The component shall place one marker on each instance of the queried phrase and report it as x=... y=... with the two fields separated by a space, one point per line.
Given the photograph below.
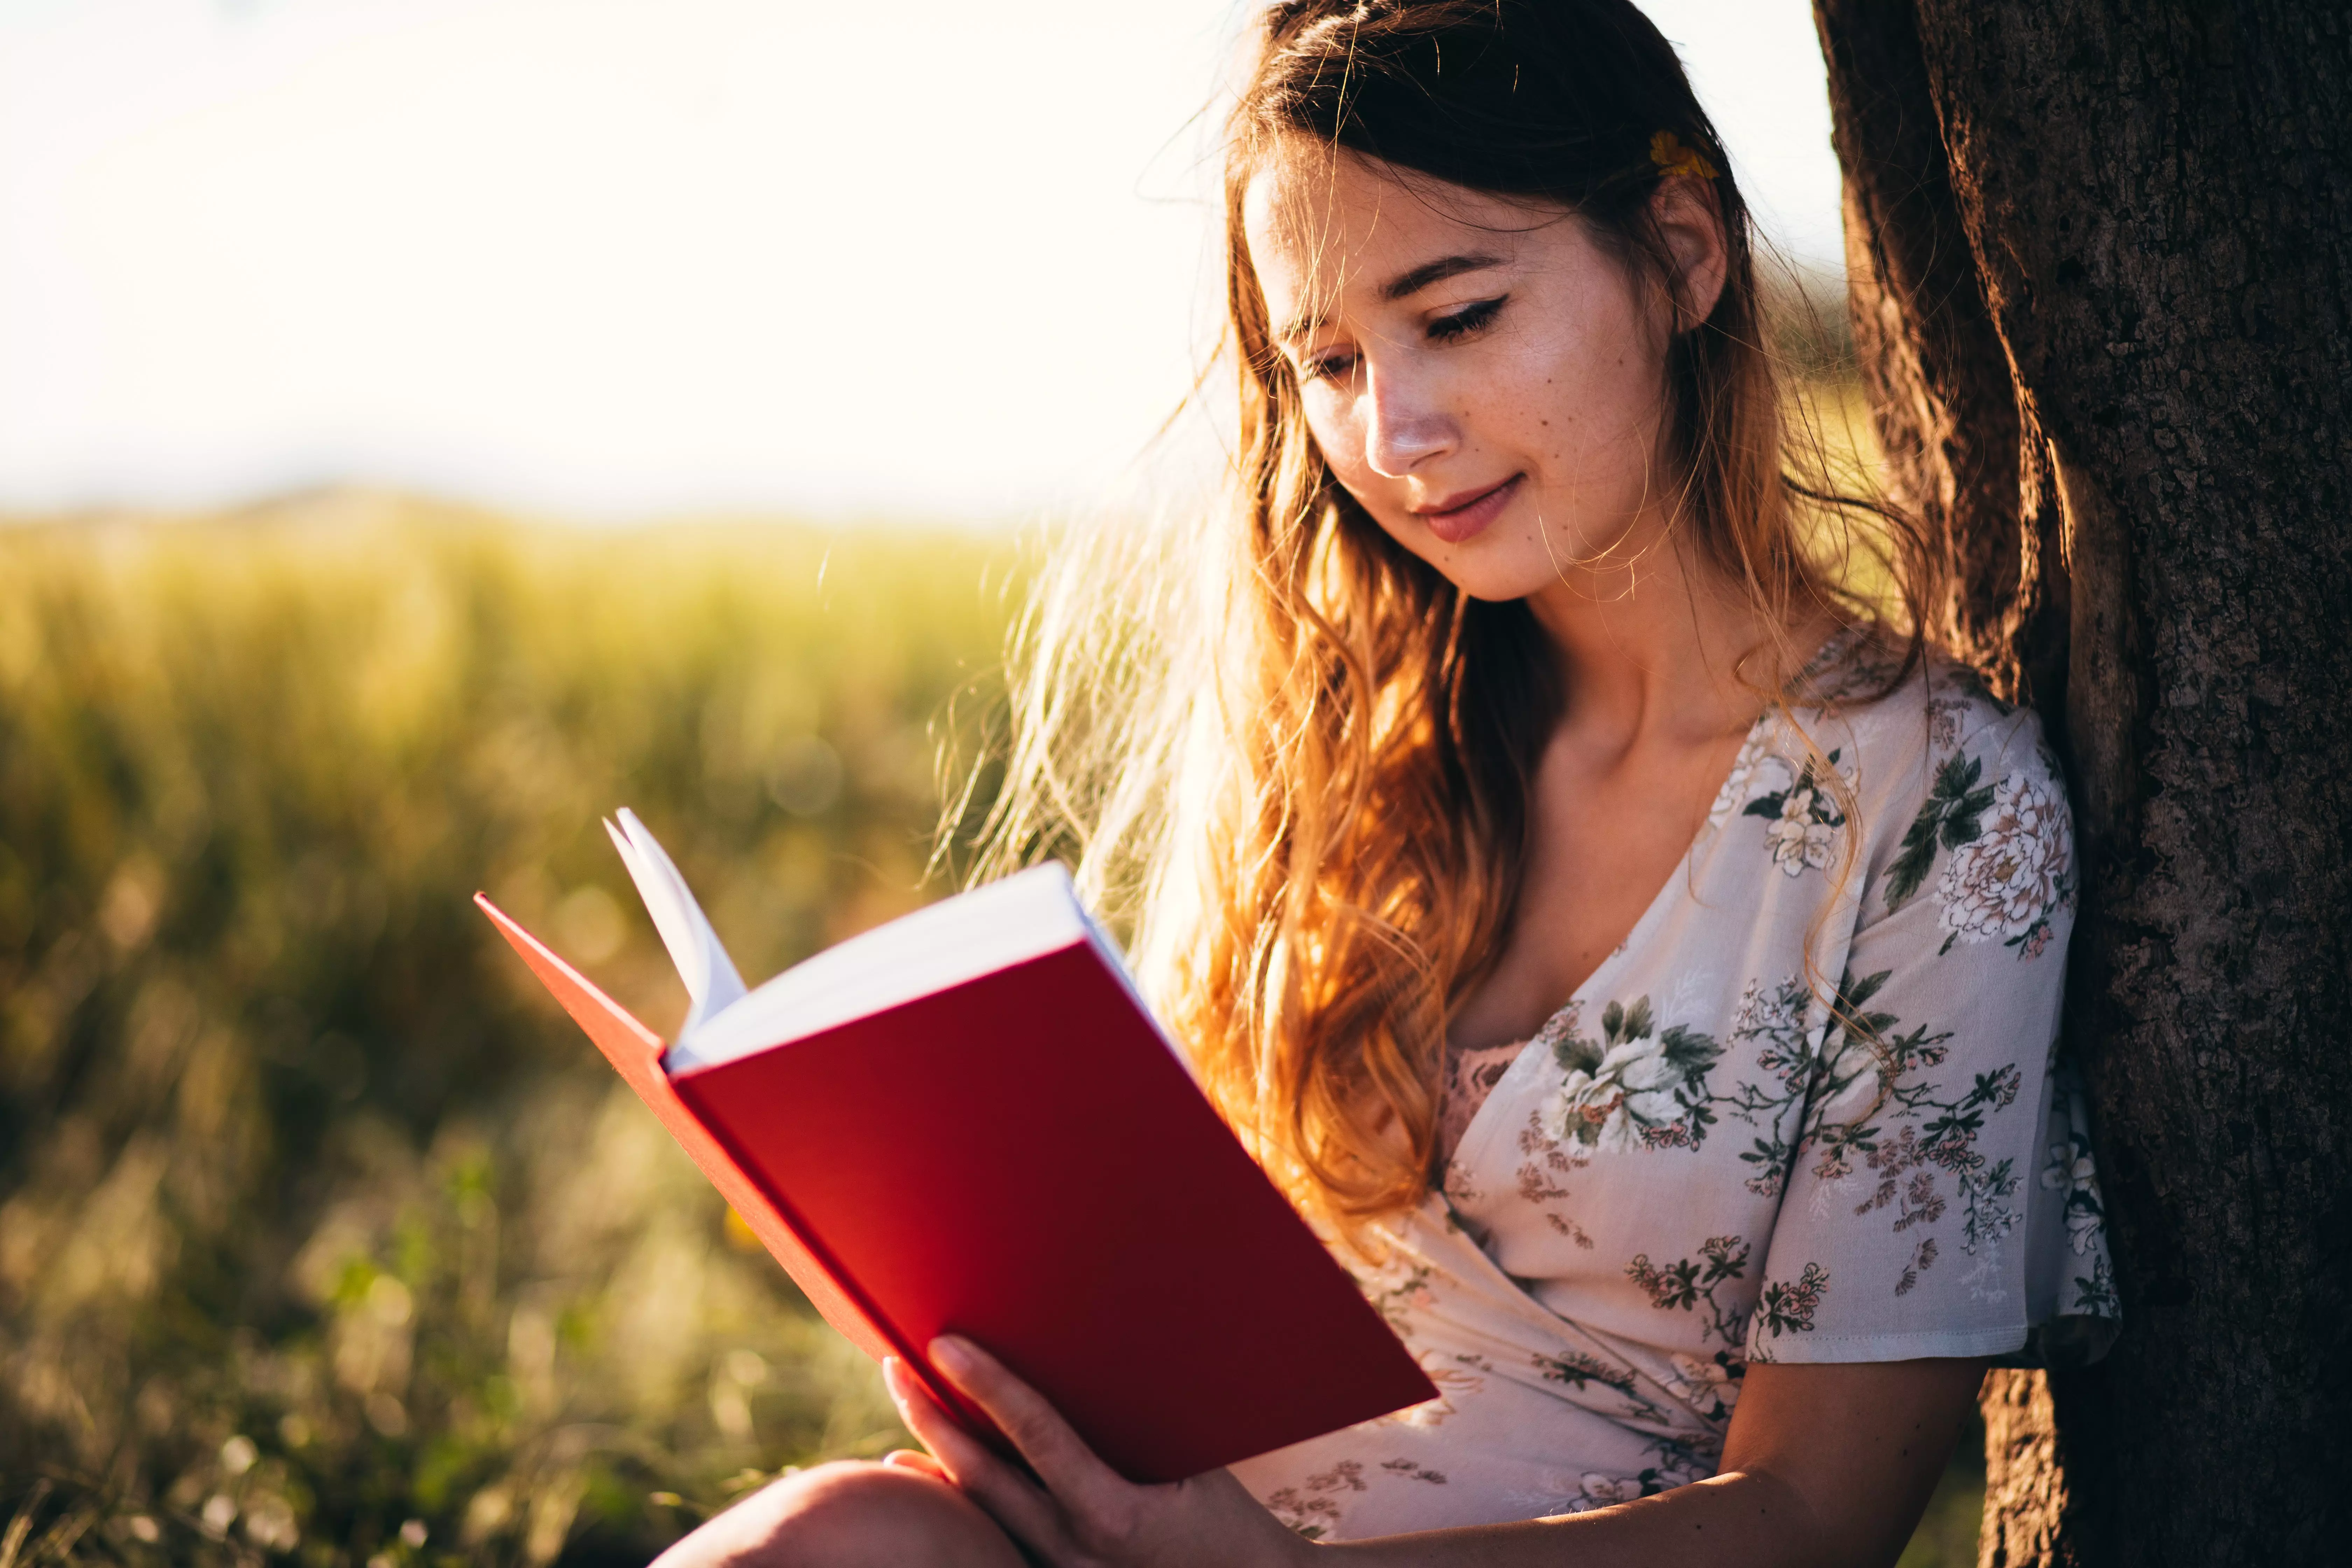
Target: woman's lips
x=1463 y=522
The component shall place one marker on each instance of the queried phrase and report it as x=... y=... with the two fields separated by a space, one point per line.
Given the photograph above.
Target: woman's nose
x=1403 y=428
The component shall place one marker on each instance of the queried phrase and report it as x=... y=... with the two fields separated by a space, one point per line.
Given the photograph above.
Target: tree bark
x=2029 y=1488
x=1941 y=396
x=2155 y=202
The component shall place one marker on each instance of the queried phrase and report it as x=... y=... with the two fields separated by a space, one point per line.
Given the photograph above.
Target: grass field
x=316 y=1225
x=322 y=1238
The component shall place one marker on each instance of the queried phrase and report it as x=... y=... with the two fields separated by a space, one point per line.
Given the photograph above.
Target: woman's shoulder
x=1941 y=770
x=1904 y=710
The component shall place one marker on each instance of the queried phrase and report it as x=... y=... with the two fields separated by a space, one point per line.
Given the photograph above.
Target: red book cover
x=1020 y=1157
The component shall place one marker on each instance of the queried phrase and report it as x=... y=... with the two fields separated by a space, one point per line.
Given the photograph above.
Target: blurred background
x=426 y=426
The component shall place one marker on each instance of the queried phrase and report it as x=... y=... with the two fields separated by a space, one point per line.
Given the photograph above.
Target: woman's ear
x=1688 y=222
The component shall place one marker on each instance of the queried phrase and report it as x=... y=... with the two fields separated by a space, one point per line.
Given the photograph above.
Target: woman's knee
x=848 y=1515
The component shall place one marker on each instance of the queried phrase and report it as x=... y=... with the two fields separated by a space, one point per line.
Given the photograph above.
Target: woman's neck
x=1656 y=647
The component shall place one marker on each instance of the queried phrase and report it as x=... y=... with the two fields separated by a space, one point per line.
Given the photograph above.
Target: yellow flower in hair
x=1672 y=157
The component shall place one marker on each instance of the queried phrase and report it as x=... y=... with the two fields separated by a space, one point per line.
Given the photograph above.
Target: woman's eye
x=1328 y=367
x=1471 y=317
x=1475 y=316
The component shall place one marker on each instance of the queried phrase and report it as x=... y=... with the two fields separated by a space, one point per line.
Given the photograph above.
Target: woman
x=1526 y=674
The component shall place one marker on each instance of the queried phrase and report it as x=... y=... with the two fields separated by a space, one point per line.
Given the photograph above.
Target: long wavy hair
x=1290 y=756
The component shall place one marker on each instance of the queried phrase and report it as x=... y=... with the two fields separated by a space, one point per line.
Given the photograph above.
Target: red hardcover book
x=966 y=1120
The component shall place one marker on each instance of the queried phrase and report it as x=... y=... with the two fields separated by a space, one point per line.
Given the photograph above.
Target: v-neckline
x=1835 y=645
x=1654 y=912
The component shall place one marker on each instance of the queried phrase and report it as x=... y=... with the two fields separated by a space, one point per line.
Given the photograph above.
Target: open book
x=966 y=1120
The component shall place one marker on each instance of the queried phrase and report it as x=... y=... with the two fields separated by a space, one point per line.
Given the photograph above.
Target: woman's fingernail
x=948 y=1351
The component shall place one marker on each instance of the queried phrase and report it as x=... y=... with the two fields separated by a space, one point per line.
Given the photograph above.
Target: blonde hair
x=1288 y=752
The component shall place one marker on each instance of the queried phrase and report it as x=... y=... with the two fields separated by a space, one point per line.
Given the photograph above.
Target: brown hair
x=1291 y=750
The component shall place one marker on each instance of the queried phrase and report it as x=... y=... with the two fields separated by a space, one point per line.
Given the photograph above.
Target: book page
x=942 y=944
x=712 y=983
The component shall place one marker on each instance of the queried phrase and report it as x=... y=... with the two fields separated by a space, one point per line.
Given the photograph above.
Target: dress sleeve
x=1905 y=1222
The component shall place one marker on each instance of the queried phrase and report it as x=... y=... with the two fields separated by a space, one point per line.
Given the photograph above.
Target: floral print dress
x=1807 y=1111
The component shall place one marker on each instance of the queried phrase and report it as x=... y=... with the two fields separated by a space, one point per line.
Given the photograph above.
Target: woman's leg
x=849 y=1515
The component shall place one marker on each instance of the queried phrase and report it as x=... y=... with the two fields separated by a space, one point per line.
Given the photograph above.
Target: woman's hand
x=1085 y=1515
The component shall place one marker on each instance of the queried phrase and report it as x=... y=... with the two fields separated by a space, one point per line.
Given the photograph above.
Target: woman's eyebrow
x=1437 y=271
x=1402 y=286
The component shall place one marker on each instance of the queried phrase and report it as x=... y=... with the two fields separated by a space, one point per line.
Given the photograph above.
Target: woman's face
x=1483 y=377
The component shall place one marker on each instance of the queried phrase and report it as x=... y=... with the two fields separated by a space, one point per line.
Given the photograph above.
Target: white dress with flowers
x=1725 y=1149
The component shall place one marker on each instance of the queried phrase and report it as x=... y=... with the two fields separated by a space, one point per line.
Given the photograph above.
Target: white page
x=942 y=944
x=711 y=983
x=1023 y=916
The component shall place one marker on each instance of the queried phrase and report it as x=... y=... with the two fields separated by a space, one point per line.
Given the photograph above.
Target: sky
x=610 y=259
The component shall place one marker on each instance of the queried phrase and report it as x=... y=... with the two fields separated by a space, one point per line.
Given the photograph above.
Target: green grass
x=317 y=1222
x=324 y=1237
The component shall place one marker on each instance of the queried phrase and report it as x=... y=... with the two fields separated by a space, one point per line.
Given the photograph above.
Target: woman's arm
x=1825 y=1465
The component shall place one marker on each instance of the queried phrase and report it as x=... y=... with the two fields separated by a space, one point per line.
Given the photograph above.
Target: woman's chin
x=1490 y=580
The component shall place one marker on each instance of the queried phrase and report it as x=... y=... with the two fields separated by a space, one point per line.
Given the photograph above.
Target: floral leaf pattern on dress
x=1864 y=1075
x=1458 y=1377
x=1904 y=1180
x=2011 y=872
x=1690 y=1283
x=1788 y=1306
x=1939 y=1133
x=1637 y=1087
x=2071 y=1173
x=1584 y=1371
x=1948 y=1140
x=1947 y=817
x=2071 y=1170
x=1710 y=1386
x=1777 y=1027
x=1906 y=1165
x=1406 y=1469
x=1540 y=1173
x=1944 y=716
x=1679 y=1464
x=1823 y=1066
x=1311 y=1509
x=1756 y=768
x=1804 y=821
x=1986 y=1214
x=2094 y=1297
x=1581 y=1369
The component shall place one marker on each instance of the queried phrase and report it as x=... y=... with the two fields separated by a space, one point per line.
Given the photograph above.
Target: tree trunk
x=1937 y=378
x=2152 y=201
